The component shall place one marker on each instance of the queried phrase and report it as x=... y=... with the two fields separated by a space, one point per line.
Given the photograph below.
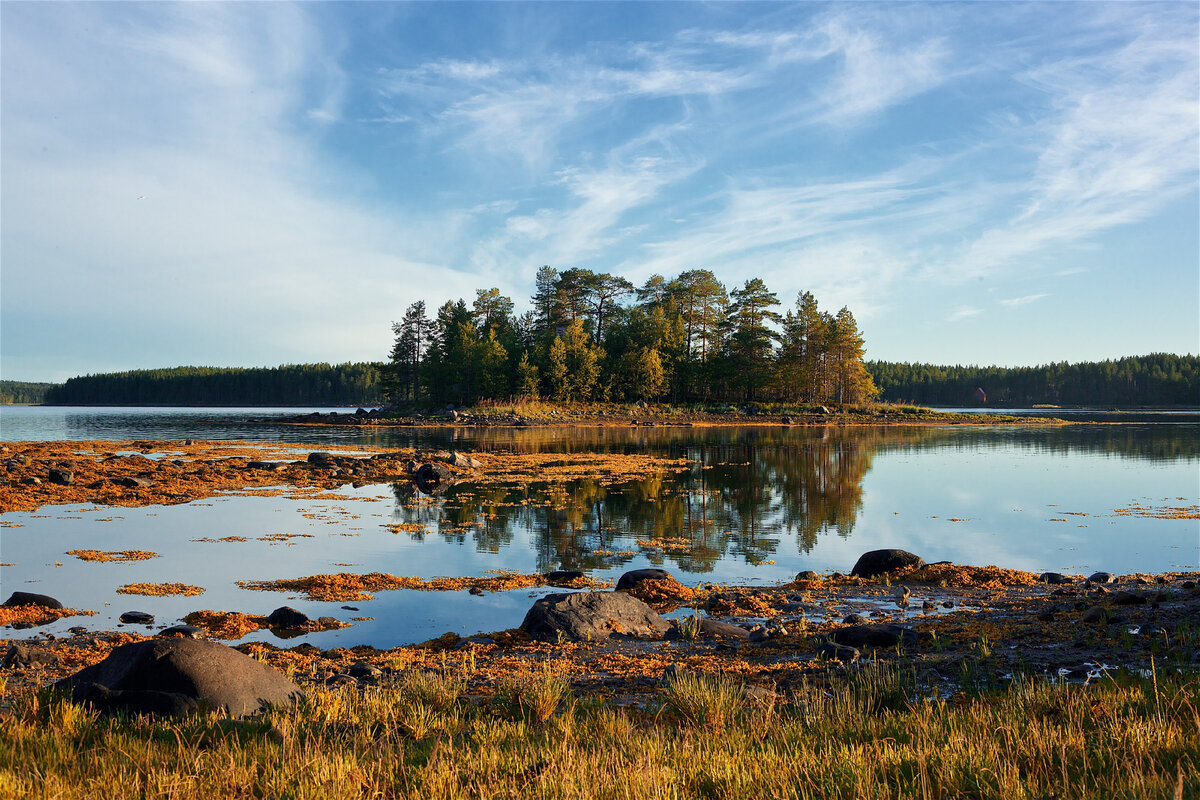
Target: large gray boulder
x=881 y=562
x=173 y=676
x=591 y=616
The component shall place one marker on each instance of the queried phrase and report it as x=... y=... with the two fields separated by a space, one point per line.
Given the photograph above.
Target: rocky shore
x=955 y=627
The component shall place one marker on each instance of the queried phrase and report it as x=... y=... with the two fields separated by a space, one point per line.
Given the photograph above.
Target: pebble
x=137 y=618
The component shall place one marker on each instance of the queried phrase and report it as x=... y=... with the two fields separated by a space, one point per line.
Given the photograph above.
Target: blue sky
x=265 y=183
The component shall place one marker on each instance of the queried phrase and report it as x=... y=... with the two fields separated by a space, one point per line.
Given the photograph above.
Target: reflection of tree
x=747 y=487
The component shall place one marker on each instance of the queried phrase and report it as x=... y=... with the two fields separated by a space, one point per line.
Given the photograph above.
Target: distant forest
x=1159 y=379
x=23 y=392
x=289 y=385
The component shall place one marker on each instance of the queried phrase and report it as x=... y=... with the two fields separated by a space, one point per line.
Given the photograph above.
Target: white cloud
x=1013 y=302
x=963 y=312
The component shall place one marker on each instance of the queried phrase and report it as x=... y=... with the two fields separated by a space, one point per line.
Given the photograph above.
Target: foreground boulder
x=589 y=616
x=31 y=599
x=176 y=676
x=881 y=562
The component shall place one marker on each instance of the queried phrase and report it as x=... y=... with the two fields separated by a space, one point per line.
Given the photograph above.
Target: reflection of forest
x=746 y=487
x=1155 y=442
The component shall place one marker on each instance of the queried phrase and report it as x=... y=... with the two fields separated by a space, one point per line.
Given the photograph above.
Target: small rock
x=320 y=459
x=562 y=576
x=874 y=635
x=839 y=652
x=63 y=477
x=808 y=575
x=137 y=618
x=947 y=604
x=286 y=617
x=31 y=599
x=341 y=679
x=1101 y=577
x=1188 y=585
x=475 y=590
x=365 y=670
x=1127 y=599
x=184 y=631
x=350 y=608
x=131 y=482
x=1053 y=578
x=20 y=655
x=854 y=619
x=634 y=577
x=476 y=641
x=77 y=630
x=1094 y=614
x=880 y=562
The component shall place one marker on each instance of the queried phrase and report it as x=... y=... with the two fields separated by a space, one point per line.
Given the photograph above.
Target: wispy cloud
x=963 y=312
x=1013 y=302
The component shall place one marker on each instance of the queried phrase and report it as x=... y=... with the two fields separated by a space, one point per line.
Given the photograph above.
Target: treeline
x=288 y=385
x=1158 y=379
x=23 y=392
x=594 y=336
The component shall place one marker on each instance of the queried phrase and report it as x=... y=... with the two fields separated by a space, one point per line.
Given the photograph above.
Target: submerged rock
x=874 y=635
x=286 y=617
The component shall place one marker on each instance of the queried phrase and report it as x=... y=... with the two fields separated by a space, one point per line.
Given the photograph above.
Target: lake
x=757 y=505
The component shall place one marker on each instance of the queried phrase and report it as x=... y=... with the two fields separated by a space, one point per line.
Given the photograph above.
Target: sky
x=253 y=184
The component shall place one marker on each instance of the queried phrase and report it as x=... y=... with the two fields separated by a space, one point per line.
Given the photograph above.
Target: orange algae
x=112 y=555
x=226 y=624
x=345 y=586
x=161 y=589
x=38 y=615
x=235 y=625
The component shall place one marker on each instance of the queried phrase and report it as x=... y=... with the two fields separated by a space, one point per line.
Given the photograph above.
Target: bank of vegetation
x=879 y=733
x=288 y=385
x=1158 y=379
x=23 y=392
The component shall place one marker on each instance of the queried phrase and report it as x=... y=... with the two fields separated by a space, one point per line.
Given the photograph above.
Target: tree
x=750 y=338
x=403 y=380
x=528 y=384
x=491 y=309
x=574 y=364
x=852 y=383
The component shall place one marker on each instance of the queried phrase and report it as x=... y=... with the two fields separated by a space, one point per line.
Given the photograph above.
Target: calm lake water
x=757 y=506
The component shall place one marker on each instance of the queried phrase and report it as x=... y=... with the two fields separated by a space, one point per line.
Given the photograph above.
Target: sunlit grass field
x=874 y=735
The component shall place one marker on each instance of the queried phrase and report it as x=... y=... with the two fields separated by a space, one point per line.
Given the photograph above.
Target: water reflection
x=740 y=494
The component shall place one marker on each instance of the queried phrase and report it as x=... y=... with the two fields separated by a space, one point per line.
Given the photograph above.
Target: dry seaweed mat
x=344 y=586
x=112 y=555
x=142 y=473
x=161 y=589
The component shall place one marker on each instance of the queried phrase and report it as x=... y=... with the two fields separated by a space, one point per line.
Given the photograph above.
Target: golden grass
x=877 y=735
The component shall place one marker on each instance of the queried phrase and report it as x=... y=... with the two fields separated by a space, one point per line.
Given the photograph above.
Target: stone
x=632 y=578
x=31 y=599
x=320 y=459
x=874 y=635
x=131 y=482
x=1053 y=578
x=1101 y=577
x=880 y=562
x=463 y=461
x=176 y=676
x=808 y=575
x=562 y=576
x=184 y=631
x=1094 y=614
x=433 y=478
x=840 y=652
x=587 y=616
x=137 y=618
x=365 y=670
x=854 y=619
x=63 y=477
x=20 y=655
x=475 y=641
x=1126 y=599
x=286 y=617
